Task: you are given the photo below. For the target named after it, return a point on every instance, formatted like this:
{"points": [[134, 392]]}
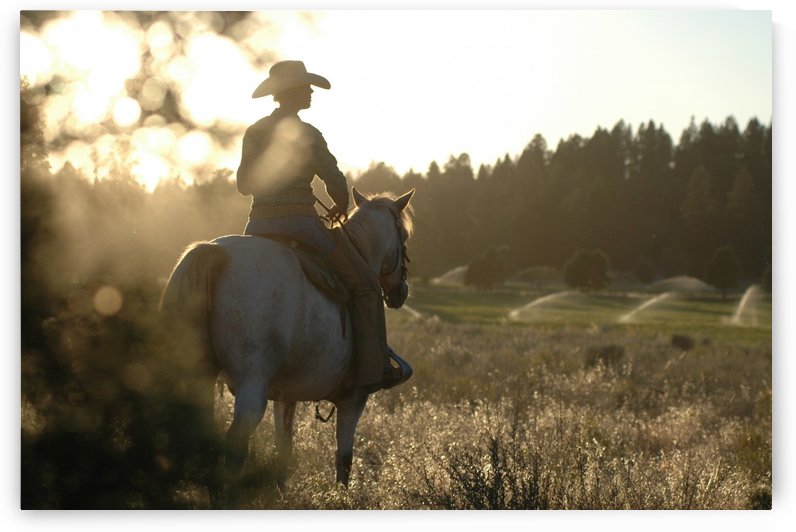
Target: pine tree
{"points": [[724, 270], [698, 205]]}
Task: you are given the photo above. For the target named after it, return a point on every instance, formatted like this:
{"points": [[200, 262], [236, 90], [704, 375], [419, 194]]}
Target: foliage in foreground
{"points": [[495, 417]]}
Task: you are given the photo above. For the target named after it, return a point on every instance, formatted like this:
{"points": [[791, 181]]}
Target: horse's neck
{"points": [[369, 237]]}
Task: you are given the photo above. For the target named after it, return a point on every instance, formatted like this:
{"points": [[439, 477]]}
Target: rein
{"points": [[400, 261]]}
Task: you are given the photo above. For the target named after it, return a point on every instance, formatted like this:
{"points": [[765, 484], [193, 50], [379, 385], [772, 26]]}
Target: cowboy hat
{"points": [[286, 75]]}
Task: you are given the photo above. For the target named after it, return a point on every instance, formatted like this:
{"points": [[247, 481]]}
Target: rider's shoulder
{"points": [[310, 127], [261, 124], [268, 122]]}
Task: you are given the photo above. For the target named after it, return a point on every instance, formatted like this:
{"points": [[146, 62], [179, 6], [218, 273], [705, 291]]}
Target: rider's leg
{"points": [[367, 310], [367, 314]]}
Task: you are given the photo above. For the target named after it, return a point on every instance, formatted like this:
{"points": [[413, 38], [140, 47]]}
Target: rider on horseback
{"points": [[281, 156]]}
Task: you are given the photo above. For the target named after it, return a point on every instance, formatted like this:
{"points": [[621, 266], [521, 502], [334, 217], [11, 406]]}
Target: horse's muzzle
{"points": [[396, 297]]}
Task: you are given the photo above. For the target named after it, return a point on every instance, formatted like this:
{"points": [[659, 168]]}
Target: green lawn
{"points": [[672, 312], [466, 306]]}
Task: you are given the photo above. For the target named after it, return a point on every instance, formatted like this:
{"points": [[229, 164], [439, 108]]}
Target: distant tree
{"points": [[475, 273], [587, 270], [486, 270], [698, 204], [645, 270], [701, 218], [433, 171], [673, 261], [34, 153], [742, 198], [724, 270], [765, 279], [723, 162], [379, 177]]}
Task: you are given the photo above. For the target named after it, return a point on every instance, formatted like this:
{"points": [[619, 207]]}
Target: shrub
{"points": [[760, 499], [645, 270], [724, 270], [587, 270], [609, 355], [486, 270], [765, 279], [682, 342]]}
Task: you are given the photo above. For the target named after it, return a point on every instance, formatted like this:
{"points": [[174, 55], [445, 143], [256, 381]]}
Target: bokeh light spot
{"points": [[108, 301], [35, 59], [88, 107], [160, 39], [152, 94], [126, 112], [149, 169], [194, 147]]}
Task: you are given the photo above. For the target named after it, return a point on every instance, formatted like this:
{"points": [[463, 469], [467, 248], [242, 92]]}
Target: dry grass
{"points": [[513, 418], [496, 416]]}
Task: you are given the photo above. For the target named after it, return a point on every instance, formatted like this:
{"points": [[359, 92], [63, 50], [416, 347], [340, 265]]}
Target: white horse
{"points": [[270, 334]]}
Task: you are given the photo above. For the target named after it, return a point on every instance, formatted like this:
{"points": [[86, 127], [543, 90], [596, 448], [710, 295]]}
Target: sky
{"points": [[408, 87], [485, 82]]}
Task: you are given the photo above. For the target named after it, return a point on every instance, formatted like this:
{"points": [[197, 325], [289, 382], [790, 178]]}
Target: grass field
{"points": [[566, 408], [683, 312]]}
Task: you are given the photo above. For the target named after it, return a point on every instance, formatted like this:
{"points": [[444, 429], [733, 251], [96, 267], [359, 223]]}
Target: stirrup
{"points": [[403, 367]]}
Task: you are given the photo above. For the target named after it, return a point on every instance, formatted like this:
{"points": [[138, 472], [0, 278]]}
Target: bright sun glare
{"points": [[411, 88], [91, 102]]}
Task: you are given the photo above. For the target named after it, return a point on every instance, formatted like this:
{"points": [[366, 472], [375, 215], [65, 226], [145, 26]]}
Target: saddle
{"points": [[316, 269]]}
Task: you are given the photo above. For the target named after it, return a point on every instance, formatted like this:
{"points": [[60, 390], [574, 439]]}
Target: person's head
{"points": [[295, 98], [289, 83]]}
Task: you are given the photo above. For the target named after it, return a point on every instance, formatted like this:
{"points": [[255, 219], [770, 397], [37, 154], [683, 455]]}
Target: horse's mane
{"points": [[386, 200]]}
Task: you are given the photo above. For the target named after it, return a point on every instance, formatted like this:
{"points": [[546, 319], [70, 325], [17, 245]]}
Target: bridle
{"points": [[400, 260]]}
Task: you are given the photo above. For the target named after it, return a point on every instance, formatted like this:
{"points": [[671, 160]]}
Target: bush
{"points": [[765, 279], [645, 270], [760, 499], [510, 478], [486, 270], [724, 270], [609, 355], [587, 270], [682, 342]]}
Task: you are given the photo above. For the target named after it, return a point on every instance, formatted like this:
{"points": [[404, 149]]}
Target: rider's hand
{"points": [[336, 214]]}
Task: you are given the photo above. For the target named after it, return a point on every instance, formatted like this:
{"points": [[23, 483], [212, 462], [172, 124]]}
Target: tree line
{"points": [[637, 196], [646, 203]]}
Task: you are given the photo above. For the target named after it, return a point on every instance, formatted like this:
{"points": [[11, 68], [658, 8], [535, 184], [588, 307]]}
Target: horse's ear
{"points": [[403, 201], [358, 198]]}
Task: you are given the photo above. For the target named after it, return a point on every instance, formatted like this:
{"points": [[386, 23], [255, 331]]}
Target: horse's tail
{"points": [[187, 300], [190, 367]]}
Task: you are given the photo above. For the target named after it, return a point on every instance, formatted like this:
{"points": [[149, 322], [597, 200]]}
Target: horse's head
{"points": [[393, 234]]}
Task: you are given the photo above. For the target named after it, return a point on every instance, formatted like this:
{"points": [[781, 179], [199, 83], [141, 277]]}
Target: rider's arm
{"points": [[249, 153], [326, 169]]}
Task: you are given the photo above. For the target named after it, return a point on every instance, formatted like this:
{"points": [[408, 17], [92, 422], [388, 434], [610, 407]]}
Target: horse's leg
{"points": [[283, 423], [349, 411], [251, 399]]}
